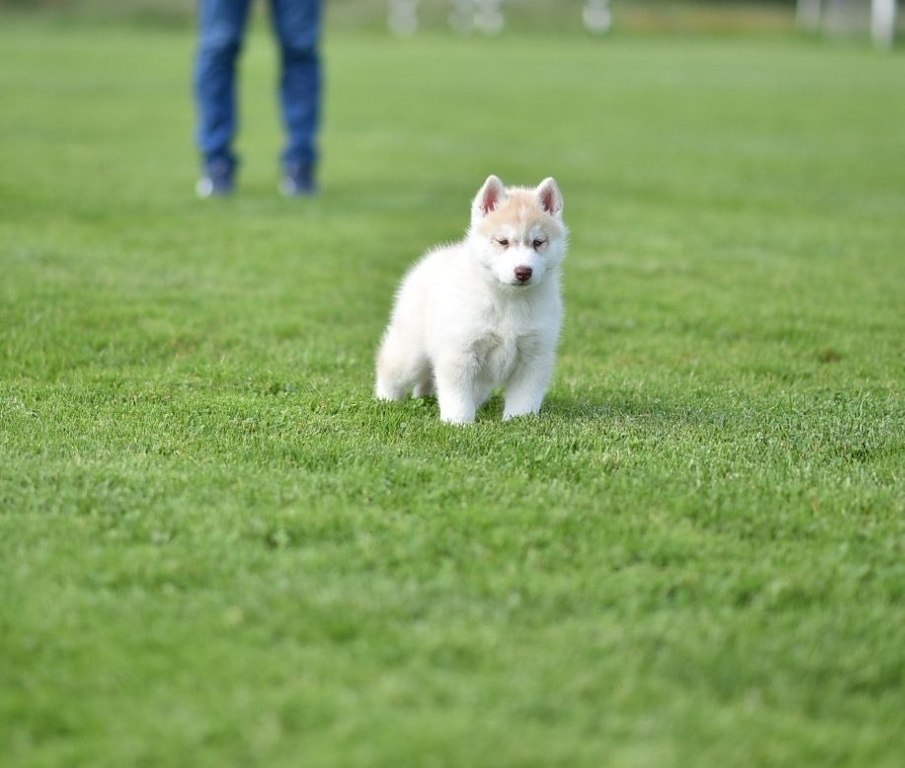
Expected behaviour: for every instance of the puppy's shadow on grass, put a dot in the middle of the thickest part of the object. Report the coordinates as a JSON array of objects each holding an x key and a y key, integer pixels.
[
  {"x": 607, "y": 409},
  {"x": 617, "y": 407}
]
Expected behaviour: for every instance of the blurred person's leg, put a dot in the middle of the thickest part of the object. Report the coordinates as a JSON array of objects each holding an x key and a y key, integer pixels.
[
  {"x": 297, "y": 24},
  {"x": 222, "y": 26}
]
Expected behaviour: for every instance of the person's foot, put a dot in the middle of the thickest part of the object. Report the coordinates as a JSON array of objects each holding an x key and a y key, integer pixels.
[
  {"x": 218, "y": 181},
  {"x": 298, "y": 181}
]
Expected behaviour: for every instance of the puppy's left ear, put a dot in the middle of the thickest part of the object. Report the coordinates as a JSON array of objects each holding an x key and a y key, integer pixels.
[
  {"x": 550, "y": 197},
  {"x": 489, "y": 197}
]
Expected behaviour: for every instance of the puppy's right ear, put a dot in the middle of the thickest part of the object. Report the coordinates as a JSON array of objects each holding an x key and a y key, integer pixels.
[{"x": 488, "y": 198}]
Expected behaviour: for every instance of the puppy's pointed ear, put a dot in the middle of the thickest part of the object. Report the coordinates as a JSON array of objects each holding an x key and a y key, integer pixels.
[
  {"x": 549, "y": 197},
  {"x": 489, "y": 197}
]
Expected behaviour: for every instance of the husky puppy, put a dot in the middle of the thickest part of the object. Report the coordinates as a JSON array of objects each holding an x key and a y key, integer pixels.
[{"x": 485, "y": 312}]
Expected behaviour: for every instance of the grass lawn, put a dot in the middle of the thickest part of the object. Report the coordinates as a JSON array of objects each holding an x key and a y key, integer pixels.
[{"x": 216, "y": 549}]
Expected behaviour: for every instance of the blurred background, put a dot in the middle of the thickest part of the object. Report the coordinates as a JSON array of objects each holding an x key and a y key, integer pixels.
[{"x": 879, "y": 20}]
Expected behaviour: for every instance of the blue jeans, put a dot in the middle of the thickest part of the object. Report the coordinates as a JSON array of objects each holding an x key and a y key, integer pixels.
[{"x": 222, "y": 30}]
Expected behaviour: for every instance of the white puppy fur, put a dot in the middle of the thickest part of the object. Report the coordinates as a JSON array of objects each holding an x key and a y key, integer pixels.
[{"x": 485, "y": 312}]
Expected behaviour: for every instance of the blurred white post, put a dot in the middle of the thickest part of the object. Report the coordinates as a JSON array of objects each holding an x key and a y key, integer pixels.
[
  {"x": 808, "y": 14},
  {"x": 402, "y": 17},
  {"x": 597, "y": 16},
  {"x": 883, "y": 22},
  {"x": 488, "y": 16}
]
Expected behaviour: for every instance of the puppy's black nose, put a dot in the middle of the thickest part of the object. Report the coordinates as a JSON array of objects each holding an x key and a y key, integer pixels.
[{"x": 523, "y": 274}]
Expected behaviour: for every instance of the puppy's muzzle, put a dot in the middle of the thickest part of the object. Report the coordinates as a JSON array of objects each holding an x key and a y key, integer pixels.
[{"x": 523, "y": 274}]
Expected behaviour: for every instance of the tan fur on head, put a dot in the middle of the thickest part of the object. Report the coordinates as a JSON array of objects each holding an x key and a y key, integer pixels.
[{"x": 521, "y": 208}]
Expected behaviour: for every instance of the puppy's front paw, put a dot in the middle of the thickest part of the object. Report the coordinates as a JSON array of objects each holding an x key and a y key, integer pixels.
[
  {"x": 460, "y": 414},
  {"x": 460, "y": 420},
  {"x": 519, "y": 415}
]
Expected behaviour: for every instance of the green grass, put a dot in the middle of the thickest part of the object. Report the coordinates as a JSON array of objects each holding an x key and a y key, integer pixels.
[{"x": 216, "y": 549}]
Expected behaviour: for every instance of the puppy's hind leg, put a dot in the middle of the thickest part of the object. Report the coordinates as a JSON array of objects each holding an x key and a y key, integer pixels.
[{"x": 399, "y": 369}]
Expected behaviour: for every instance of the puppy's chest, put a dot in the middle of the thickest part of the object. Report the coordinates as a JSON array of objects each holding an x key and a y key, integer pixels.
[{"x": 498, "y": 352}]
